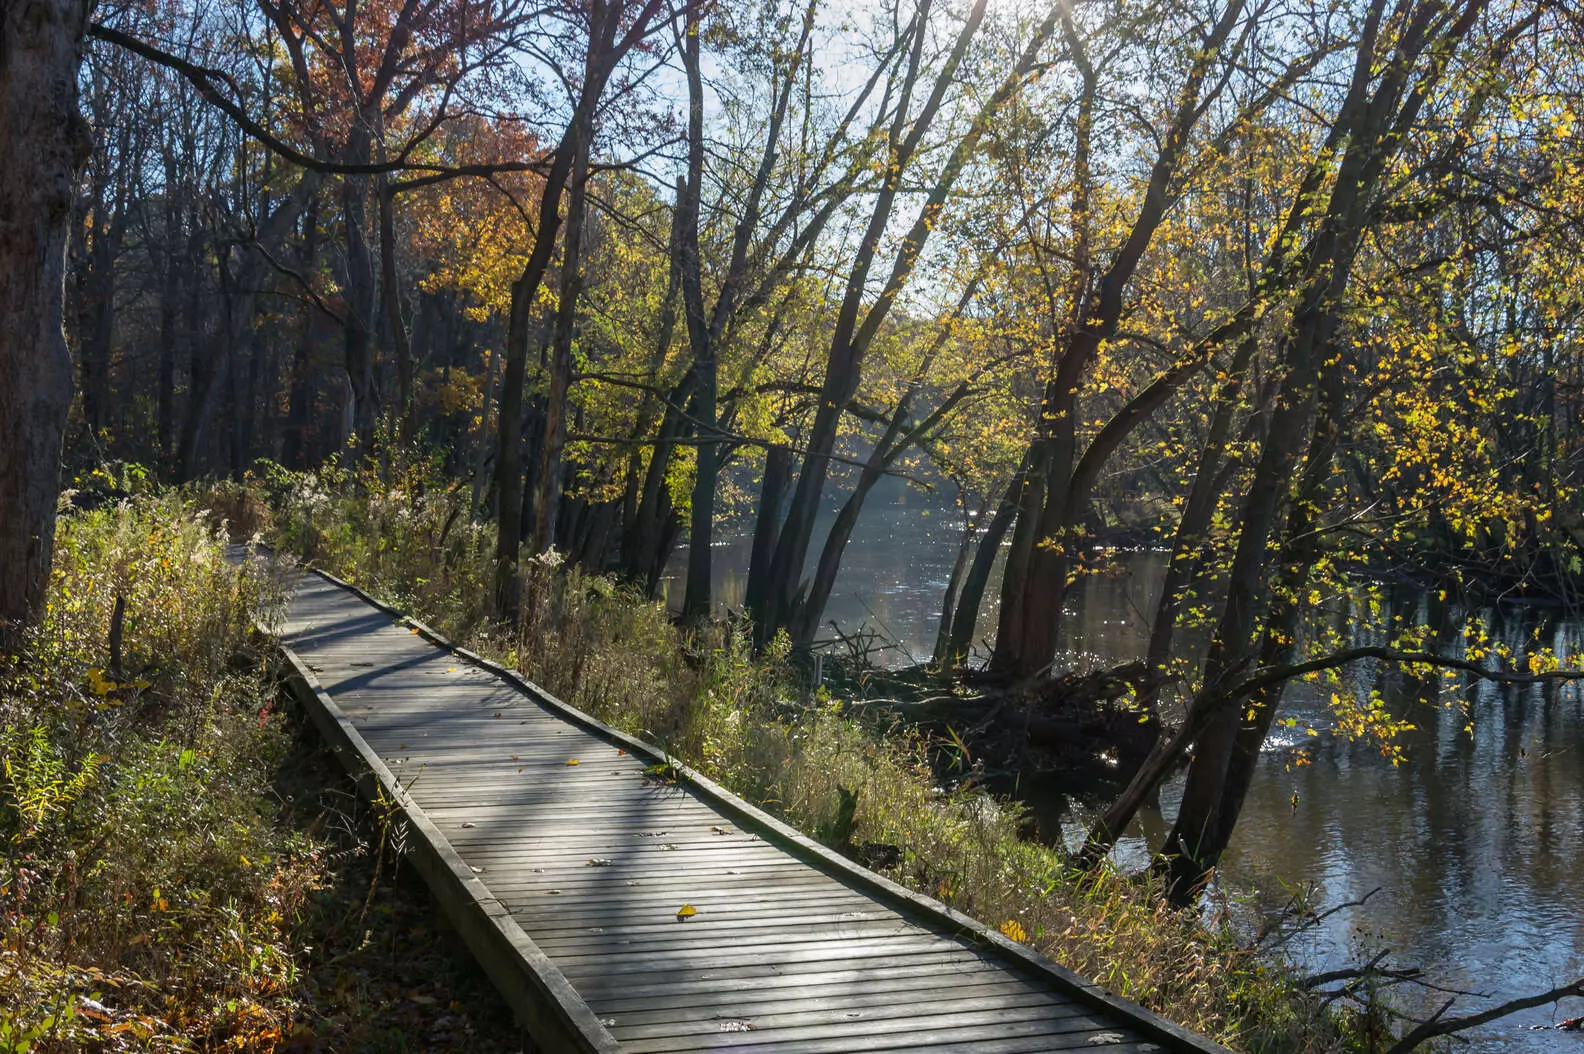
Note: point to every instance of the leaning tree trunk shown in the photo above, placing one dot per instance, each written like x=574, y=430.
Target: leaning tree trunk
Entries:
x=44, y=141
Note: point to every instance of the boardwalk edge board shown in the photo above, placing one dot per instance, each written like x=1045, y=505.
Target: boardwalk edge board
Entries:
x=550, y=981
x=543, y=1000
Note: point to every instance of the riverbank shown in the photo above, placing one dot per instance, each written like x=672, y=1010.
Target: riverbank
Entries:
x=702, y=696
x=185, y=868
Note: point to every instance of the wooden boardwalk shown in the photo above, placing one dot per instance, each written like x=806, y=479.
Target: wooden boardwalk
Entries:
x=564, y=867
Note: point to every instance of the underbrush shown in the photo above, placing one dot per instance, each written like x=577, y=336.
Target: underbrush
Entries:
x=165, y=882
x=702, y=696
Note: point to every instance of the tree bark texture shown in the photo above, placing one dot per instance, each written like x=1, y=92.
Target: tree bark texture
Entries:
x=44, y=141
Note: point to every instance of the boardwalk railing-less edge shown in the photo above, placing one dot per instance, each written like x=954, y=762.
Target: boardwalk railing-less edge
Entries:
x=564, y=869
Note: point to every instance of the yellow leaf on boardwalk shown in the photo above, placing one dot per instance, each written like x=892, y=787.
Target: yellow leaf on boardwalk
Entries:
x=1012, y=930
x=685, y=912
x=572, y=761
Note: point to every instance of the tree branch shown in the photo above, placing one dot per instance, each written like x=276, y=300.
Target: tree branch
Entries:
x=1437, y=1026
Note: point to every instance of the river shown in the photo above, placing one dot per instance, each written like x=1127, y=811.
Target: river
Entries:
x=1475, y=842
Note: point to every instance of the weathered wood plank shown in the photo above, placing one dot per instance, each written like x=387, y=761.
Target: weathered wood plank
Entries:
x=737, y=987
x=919, y=1030
x=858, y=995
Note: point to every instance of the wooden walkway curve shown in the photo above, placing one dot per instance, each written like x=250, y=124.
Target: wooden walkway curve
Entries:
x=564, y=868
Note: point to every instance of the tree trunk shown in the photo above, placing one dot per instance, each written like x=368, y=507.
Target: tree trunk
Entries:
x=702, y=337
x=359, y=301
x=97, y=320
x=971, y=598
x=1042, y=557
x=482, y=451
x=44, y=142
x=557, y=401
x=395, y=322
x=299, y=407
x=777, y=474
x=170, y=297
x=943, y=631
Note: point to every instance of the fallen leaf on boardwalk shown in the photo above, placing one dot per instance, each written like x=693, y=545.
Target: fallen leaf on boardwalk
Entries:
x=497, y=713
x=469, y=823
x=718, y=829
x=402, y=747
x=413, y=630
x=685, y=912
x=1100, y=1039
x=619, y=750
x=514, y=757
x=671, y=845
x=572, y=761
x=480, y=870
x=736, y=1026
x=1013, y=931
x=450, y=669
x=600, y=861
x=553, y=892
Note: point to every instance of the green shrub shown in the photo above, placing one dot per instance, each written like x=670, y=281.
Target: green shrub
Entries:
x=144, y=889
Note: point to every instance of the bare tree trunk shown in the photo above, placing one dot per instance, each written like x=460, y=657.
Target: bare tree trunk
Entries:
x=548, y=493
x=966, y=618
x=170, y=296
x=44, y=141
x=391, y=296
x=359, y=307
x=635, y=490
x=777, y=474
x=482, y=452
x=697, y=596
x=954, y=580
x=97, y=318
x=299, y=406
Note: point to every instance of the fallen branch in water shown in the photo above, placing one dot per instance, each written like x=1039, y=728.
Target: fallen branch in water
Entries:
x=1350, y=973
x=1439, y=1026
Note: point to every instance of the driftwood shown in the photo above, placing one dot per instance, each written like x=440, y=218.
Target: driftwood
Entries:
x=1441, y=1025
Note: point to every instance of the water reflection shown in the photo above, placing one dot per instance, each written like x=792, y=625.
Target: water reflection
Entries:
x=1474, y=841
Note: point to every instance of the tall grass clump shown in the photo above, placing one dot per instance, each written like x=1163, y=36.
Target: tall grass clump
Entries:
x=408, y=538
x=144, y=891
x=700, y=694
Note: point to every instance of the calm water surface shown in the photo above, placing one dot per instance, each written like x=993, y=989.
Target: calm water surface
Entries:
x=1475, y=841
